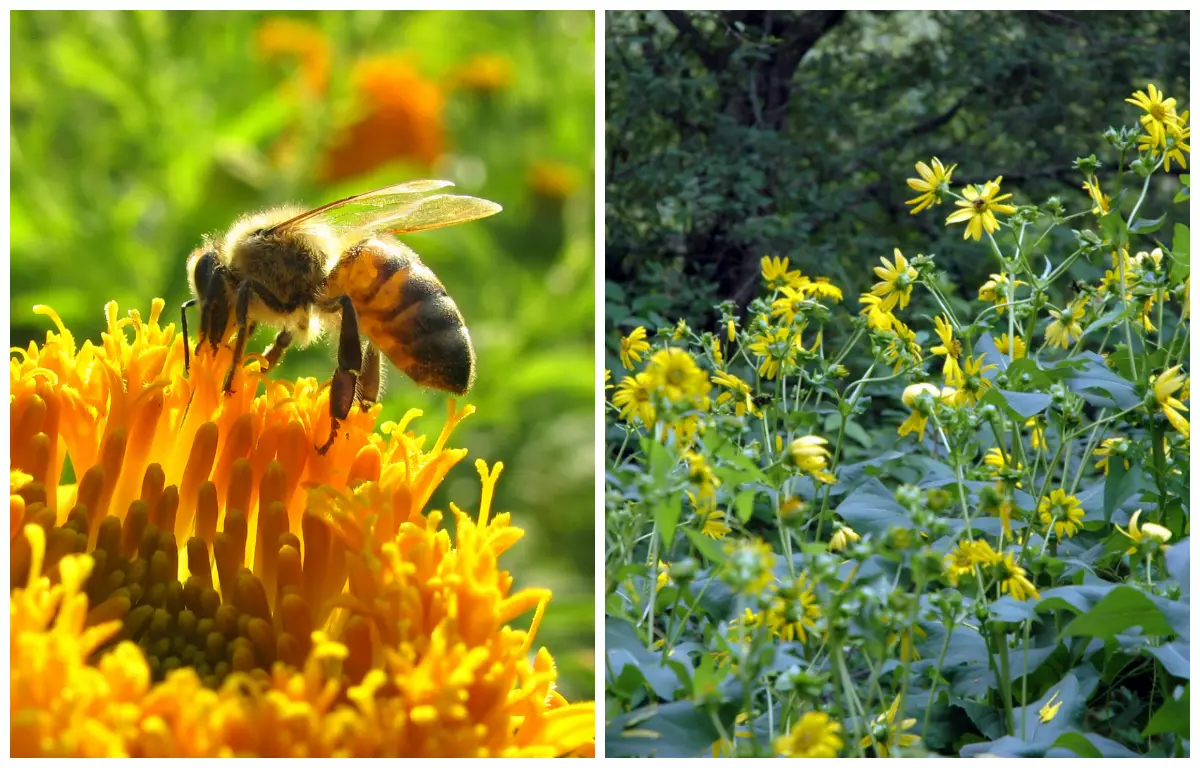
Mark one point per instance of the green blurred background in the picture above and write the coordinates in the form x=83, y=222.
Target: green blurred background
x=133, y=133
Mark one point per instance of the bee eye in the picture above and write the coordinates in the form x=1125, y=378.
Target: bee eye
x=203, y=271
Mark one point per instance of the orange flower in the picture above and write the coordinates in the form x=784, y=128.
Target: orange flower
x=483, y=72
x=242, y=594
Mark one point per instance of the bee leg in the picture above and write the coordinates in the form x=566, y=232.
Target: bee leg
x=187, y=341
x=275, y=351
x=369, y=381
x=214, y=310
x=242, y=309
x=345, y=378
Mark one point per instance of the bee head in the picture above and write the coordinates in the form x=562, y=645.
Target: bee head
x=201, y=264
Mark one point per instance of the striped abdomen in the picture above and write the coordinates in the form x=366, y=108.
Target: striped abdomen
x=403, y=309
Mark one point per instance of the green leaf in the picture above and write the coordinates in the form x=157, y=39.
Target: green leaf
x=1146, y=226
x=1122, y=608
x=1180, y=254
x=1120, y=484
x=666, y=515
x=1112, y=227
x=711, y=550
x=1174, y=716
x=678, y=729
x=1098, y=385
x=872, y=509
x=1018, y=405
x=1077, y=743
x=743, y=504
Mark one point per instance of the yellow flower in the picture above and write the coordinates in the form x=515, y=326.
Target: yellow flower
x=896, y=282
x=979, y=209
x=1099, y=199
x=1177, y=138
x=1066, y=327
x=1160, y=112
x=738, y=392
x=1037, y=437
x=971, y=383
x=813, y=735
x=634, y=398
x=712, y=520
x=903, y=348
x=965, y=556
x=632, y=347
x=1013, y=580
x=1014, y=350
x=677, y=376
x=884, y=733
x=932, y=185
x=777, y=347
x=878, y=319
x=664, y=577
x=775, y=272
x=1000, y=291
x=950, y=347
x=790, y=305
x=1112, y=446
x=824, y=289
x=1049, y=709
x=1062, y=511
x=1146, y=531
x=843, y=536
x=811, y=454
x=997, y=460
x=233, y=582
x=607, y=380
x=731, y=330
x=915, y=423
x=718, y=357
x=1165, y=387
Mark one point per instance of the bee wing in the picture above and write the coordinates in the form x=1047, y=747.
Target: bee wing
x=424, y=213
x=385, y=197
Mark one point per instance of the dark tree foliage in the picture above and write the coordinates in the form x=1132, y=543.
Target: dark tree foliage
x=736, y=134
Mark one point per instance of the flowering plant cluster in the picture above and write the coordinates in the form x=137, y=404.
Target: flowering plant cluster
x=934, y=523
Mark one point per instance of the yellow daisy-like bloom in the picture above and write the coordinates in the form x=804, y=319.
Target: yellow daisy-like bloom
x=1013, y=349
x=933, y=184
x=821, y=287
x=712, y=520
x=677, y=376
x=1066, y=328
x=1037, y=435
x=979, y=209
x=885, y=733
x=811, y=454
x=791, y=615
x=1177, y=143
x=1160, y=112
x=813, y=735
x=971, y=384
x=1000, y=291
x=717, y=354
x=915, y=423
x=634, y=398
x=878, y=318
x=790, y=305
x=632, y=347
x=1062, y=511
x=1100, y=201
x=236, y=596
x=731, y=330
x=950, y=347
x=997, y=460
x=737, y=392
x=1013, y=580
x=775, y=272
x=777, y=348
x=1147, y=531
x=965, y=556
x=903, y=349
x=1112, y=446
x=664, y=577
x=896, y=282
x=1050, y=709
x=843, y=537
x=1165, y=386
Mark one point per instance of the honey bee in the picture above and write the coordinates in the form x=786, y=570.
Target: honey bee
x=303, y=271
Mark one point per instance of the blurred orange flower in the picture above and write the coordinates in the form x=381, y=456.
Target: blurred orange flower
x=483, y=72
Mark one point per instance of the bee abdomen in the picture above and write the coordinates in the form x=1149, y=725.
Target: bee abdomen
x=423, y=333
